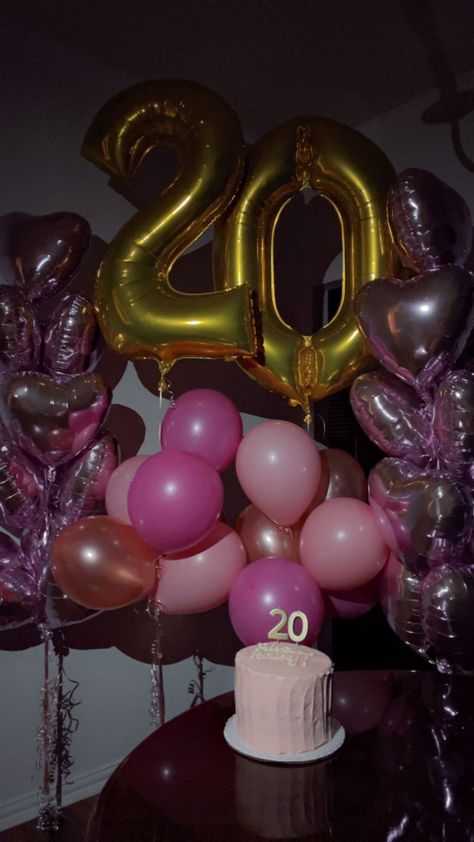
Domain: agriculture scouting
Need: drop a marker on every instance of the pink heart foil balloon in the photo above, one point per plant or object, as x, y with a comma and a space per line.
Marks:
20, 333
53, 419
44, 252
418, 328
429, 514
447, 600
393, 416
454, 425
71, 337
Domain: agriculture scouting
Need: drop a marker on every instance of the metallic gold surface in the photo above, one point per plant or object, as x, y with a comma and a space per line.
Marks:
140, 313
354, 175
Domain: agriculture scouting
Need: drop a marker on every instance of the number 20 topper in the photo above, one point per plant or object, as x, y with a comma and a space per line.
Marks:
140, 313
352, 173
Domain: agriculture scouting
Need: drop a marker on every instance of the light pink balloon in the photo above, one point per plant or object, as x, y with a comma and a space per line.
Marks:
279, 468
341, 544
116, 494
201, 578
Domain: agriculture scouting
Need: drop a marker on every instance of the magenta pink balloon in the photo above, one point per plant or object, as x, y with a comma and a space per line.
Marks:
201, 578
346, 605
174, 500
341, 544
274, 583
116, 494
205, 422
279, 468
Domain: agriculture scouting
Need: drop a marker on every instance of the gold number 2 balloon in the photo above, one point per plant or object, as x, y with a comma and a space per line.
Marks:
140, 313
354, 175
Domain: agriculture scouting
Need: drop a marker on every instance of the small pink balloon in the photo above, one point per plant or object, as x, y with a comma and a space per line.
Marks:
175, 500
346, 605
205, 422
201, 578
279, 468
118, 486
274, 583
341, 544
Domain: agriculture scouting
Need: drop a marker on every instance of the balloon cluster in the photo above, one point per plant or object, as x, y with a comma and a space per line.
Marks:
55, 458
419, 409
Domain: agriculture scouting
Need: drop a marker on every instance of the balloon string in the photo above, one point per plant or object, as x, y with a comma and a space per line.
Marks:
164, 387
157, 695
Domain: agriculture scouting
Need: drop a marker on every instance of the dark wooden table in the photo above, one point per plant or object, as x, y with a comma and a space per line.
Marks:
405, 772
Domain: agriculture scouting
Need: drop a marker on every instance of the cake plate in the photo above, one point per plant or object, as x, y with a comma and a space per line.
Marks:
336, 741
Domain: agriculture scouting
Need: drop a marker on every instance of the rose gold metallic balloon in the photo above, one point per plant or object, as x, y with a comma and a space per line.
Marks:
262, 538
341, 476
103, 564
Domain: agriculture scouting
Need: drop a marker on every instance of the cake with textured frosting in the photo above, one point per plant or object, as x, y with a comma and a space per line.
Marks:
283, 698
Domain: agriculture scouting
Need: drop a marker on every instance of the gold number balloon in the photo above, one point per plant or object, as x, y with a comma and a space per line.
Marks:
140, 313
354, 175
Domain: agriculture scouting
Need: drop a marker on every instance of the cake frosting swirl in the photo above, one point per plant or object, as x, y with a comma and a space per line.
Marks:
283, 698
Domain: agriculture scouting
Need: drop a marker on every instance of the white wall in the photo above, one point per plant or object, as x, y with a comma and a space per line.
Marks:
48, 102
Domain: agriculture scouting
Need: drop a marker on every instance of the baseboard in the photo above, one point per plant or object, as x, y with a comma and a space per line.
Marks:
25, 808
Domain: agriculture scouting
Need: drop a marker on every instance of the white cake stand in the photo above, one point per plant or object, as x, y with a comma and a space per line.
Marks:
336, 741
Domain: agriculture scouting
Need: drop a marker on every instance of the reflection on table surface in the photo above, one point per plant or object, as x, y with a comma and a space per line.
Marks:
405, 772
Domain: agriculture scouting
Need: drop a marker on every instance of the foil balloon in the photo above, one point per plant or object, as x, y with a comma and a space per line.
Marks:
21, 490
354, 175
431, 221
140, 313
20, 335
401, 603
54, 418
453, 425
83, 483
428, 514
12, 583
42, 253
263, 538
70, 337
418, 328
448, 611
393, 416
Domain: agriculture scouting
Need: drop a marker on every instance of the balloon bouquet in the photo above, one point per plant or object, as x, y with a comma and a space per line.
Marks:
419, 409
55, 459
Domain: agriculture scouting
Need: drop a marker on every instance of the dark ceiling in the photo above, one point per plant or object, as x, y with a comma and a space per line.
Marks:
271, 59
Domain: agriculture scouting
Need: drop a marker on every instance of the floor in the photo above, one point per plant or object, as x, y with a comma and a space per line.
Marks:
73, 828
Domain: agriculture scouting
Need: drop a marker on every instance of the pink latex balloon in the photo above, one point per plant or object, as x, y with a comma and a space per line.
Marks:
274, 583
116, 495
205, 422
341, 544
346, 605
279, 468
201, 578
174, 500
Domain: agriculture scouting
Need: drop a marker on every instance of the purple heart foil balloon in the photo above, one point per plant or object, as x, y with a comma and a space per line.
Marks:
393, 416
54, 418
454, 425
418, 328
71, 337
430, 221
41, 254
20, 333
427, 517
448, 617
82, 483
14, 584
22, 494
401, 604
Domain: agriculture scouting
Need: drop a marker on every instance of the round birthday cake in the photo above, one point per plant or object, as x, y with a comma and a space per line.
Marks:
283, 698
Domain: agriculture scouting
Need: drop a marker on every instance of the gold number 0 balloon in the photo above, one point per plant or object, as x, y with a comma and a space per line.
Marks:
354, 175
140, 313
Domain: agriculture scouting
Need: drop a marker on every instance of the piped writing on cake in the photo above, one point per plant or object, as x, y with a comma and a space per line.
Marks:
290, 653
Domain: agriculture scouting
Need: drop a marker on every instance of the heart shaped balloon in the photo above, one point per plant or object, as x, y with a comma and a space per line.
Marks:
82, 483
13, 581
393, 416
20, 333
400, 600
454, 425
54, 419
70, 337
418, 328
43, 252
448, 616
21, 490
431, 221
429, 514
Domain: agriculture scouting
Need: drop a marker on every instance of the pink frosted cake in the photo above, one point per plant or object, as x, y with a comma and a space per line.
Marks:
283, 698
